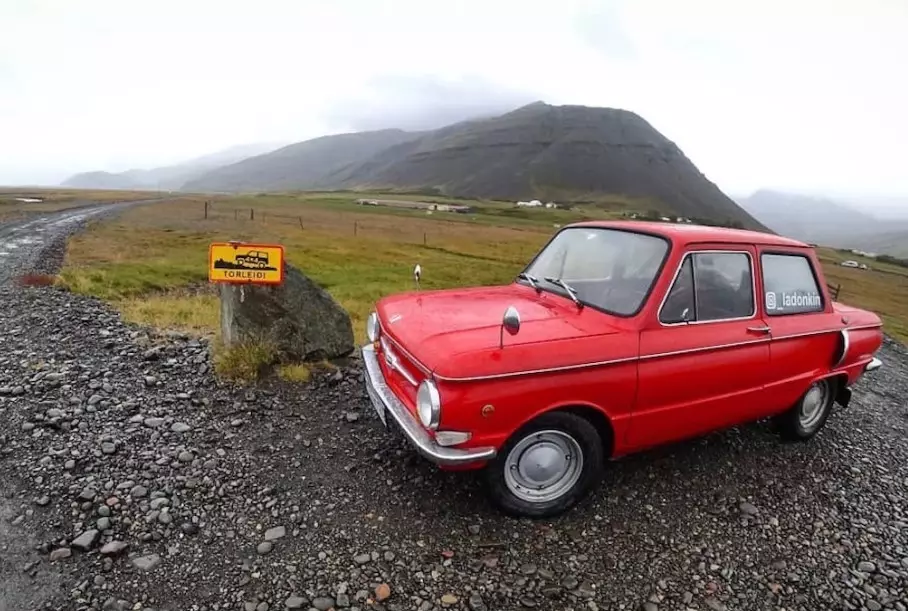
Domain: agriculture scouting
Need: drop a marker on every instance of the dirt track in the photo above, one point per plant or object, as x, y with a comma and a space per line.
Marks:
154, 486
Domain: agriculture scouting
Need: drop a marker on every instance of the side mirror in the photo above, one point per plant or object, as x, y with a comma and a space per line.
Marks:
511, 322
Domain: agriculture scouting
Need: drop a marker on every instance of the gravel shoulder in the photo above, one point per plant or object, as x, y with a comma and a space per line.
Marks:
132, 478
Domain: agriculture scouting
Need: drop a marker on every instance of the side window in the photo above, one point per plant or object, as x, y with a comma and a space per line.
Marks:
724, 283
711, 286
790, 285
680, 306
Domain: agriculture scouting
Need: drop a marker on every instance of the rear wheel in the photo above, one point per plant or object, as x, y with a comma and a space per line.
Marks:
810, 413
547, 466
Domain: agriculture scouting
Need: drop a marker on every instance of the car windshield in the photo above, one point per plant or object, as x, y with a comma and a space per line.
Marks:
608, 269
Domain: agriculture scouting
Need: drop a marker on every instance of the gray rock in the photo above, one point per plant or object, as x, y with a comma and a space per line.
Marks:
146, 563
60, 554
153, 423
103, 523
362, 558
294, 602
84, 541
275, 533
264, 547
298, 318
749, 509
323, 603
114, 547
866, 567
180, 427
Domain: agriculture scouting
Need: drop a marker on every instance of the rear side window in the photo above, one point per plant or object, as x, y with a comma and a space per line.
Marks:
790, 285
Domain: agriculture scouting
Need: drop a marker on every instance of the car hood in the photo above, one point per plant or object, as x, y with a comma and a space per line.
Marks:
455, 333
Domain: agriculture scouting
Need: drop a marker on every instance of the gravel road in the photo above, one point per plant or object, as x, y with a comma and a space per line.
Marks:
133, 479
36, 244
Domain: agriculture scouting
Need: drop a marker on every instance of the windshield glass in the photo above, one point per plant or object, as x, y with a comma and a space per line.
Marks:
609, 269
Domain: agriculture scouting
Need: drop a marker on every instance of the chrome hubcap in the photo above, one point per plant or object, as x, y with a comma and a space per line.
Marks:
813, 404
543, 466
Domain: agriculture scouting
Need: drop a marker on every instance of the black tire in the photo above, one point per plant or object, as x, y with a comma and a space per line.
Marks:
548, 429
801, 423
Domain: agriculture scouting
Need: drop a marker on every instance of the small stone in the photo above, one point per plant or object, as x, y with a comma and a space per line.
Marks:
866, 567
153, 423
362, 558
748, 509
42, 501
449, 599
180, 427
294, 602
114, 547
323, 603
138, 492
382, 592
60, 554
146, 563
103, 523
264, 547
275, 533
84, 541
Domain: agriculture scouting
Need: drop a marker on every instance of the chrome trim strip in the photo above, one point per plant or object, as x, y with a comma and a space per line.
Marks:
393, 362
873, 365
422, 368
846, 339
753, 284
384, 399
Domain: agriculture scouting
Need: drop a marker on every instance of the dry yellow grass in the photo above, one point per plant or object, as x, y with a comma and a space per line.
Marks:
138, 260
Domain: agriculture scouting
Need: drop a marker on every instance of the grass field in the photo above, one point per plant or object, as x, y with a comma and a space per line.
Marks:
151, 261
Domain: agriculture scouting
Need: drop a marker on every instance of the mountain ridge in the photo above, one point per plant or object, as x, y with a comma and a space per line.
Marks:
536, 151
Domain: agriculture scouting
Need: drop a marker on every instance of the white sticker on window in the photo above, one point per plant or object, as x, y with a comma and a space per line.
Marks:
770, 300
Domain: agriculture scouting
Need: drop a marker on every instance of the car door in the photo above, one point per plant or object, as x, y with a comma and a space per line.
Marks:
703, 358
806, 333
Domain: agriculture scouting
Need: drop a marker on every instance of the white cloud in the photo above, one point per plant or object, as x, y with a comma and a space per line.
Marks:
805, 94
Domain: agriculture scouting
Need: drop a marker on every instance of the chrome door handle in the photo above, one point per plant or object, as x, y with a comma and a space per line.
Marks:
759, 329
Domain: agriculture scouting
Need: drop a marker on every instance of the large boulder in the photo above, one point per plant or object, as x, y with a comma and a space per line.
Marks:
297, 318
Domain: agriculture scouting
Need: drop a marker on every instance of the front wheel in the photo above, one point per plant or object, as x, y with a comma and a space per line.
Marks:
547, 466
810, 413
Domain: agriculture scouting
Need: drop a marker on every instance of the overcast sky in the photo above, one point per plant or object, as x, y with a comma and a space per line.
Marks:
807, 95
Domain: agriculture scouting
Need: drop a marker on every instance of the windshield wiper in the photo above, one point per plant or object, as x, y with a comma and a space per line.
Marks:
571, 290
531, 279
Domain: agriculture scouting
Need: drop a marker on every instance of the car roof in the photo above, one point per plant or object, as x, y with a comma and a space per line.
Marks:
687, 233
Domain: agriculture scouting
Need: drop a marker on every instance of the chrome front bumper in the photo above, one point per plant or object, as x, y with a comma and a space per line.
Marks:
873, 365
385, 403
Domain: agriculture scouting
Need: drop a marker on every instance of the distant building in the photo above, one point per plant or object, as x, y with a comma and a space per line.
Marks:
849, 264
535, 203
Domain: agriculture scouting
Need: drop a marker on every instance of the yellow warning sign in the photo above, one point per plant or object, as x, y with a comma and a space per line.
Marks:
246, 263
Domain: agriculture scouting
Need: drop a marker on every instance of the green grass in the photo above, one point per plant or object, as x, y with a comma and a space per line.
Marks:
150, 262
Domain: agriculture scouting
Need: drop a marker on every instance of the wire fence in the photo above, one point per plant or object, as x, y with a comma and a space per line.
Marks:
455, 235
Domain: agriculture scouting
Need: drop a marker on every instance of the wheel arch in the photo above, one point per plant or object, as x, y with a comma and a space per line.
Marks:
594, 414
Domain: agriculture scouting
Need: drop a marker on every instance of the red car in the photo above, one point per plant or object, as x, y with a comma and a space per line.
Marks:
617, 336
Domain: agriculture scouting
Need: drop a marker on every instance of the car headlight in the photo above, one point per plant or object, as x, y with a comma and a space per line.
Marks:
428, 404
372, 327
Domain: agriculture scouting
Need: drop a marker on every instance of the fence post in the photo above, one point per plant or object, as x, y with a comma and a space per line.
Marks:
423, 238
206, 209
252, 214
301, 222
354, 227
